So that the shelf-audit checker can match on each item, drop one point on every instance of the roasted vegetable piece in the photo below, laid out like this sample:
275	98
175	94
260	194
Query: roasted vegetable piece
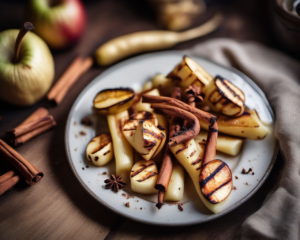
100	150
112	101
143	177
224	97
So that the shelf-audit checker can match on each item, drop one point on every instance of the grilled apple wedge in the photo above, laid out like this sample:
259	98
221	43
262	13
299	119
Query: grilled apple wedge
122	150
145	137
225	144
247	126
143	177
224	97
175	188
100	150
112	101
189	71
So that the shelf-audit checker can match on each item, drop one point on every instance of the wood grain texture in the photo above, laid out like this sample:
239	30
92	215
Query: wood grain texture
58	207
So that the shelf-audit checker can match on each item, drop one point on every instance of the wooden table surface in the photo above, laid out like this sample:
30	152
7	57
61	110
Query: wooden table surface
58	207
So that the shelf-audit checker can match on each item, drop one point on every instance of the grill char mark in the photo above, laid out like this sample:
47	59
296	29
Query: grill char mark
206	180
141	169
148	176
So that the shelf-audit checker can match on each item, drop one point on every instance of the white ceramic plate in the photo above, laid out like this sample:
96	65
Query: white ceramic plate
259	155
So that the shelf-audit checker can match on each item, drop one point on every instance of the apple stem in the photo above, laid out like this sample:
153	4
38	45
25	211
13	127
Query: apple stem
27	26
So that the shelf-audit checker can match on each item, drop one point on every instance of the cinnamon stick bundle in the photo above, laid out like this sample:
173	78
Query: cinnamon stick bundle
70	76
37	123
8	180
30	173
205	116
184	136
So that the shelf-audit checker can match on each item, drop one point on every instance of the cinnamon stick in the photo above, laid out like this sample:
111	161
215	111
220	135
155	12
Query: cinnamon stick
211	143
26	137
205	116
7	176
36	115
8	184
29	126
37	123
166	169
31	174
184	136
70	76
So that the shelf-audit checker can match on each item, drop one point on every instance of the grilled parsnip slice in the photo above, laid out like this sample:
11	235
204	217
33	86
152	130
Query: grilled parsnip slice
175	189
247	126
100	150
225	144
147	86
224	97
164	84
143	177
189	155
122	149
112	101
189	71
146	138
215	182
146	106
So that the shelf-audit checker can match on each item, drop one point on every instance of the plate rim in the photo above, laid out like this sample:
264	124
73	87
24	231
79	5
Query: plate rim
137	58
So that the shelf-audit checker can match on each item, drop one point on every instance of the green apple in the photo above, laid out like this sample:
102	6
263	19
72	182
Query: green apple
59	22
26	66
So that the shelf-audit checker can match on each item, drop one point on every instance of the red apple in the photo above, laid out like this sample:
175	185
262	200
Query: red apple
59	22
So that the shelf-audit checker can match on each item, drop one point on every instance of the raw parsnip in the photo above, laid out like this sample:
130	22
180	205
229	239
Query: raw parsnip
122	150
143	177
175	189
225	144
124	46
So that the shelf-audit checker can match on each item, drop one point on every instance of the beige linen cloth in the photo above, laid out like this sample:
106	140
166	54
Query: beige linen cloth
279	77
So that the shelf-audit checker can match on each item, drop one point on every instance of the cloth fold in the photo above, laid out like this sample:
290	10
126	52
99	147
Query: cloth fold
279	77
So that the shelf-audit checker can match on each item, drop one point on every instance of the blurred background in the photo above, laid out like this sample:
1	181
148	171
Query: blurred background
254	20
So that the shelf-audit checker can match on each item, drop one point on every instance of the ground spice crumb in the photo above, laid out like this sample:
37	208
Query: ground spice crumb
127	205
75	123
137	200
86	121
83	168
82	133
104	173
76	136
141	208
123	195
87	166
252	173
234	188
246	184
178	188
246	172
180	207
236	177
75	149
